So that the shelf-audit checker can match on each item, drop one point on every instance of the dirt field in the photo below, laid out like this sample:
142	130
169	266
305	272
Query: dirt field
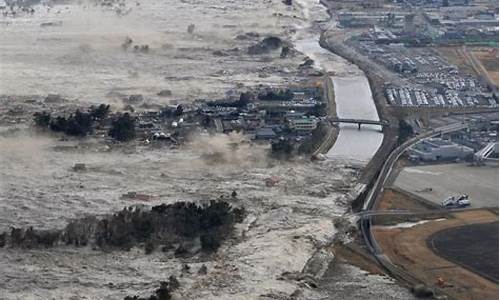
397	199
456	56
407	248
489	59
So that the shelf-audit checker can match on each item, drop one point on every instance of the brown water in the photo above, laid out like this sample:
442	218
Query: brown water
83	60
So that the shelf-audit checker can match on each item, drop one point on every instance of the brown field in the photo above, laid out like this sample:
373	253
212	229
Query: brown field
408	249
489	59
455	55
461	57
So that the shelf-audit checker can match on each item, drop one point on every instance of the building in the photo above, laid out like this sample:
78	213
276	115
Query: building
303	124
265	133
438	149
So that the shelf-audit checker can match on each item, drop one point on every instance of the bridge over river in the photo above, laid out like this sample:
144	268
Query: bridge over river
359	121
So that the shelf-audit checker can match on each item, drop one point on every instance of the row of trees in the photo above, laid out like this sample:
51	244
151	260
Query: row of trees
281	95
81	124
166	224
77	124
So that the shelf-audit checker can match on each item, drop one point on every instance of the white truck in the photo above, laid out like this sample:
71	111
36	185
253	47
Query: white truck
456	201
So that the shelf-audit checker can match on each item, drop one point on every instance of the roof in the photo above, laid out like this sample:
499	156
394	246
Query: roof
265	131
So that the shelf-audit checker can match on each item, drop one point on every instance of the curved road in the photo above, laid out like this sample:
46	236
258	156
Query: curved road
373	196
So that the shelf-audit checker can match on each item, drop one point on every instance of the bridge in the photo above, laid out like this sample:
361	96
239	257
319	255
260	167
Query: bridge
359	122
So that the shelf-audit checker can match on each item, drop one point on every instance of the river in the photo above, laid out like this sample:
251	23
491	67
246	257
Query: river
353	96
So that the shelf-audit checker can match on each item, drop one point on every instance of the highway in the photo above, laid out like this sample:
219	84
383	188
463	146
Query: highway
373	196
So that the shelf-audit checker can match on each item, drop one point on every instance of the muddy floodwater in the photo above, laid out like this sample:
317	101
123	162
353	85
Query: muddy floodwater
75	50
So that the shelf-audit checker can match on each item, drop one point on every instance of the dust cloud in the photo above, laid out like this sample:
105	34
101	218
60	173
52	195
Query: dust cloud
230	149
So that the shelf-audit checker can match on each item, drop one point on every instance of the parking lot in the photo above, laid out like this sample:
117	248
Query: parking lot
438	182
432	80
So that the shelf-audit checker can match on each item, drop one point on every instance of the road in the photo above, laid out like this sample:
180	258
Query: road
373	196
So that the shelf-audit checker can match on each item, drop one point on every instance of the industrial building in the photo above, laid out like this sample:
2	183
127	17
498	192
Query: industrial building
438	149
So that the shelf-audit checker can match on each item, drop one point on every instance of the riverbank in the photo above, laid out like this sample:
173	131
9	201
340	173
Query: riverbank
331	43
333	131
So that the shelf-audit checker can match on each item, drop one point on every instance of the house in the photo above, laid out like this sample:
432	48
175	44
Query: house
265	133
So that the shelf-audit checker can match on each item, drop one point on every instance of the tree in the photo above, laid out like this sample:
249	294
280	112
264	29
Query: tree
209	242
99	112
123	128
282	148
179	110
42	119
59	124
286	95
244	99
79	124
405	131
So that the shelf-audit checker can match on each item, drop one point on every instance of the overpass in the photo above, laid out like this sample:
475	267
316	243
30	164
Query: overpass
359	122
484	154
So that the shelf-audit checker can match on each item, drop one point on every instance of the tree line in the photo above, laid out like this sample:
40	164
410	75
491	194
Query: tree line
166	225
81	123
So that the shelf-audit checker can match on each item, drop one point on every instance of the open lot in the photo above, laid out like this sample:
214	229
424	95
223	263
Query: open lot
445	180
